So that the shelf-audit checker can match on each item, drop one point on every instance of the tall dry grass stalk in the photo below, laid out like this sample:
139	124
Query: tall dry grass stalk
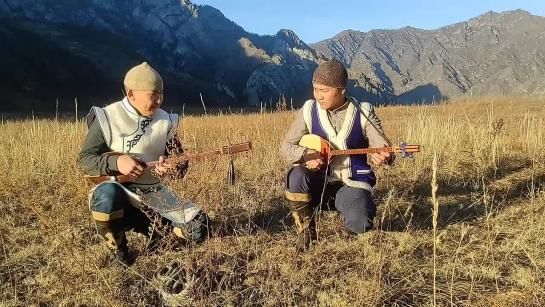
435	215
490	224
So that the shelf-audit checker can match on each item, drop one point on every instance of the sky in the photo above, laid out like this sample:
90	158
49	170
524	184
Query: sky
317	20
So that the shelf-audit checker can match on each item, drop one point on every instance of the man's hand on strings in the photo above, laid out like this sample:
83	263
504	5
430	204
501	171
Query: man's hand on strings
313	159
128	165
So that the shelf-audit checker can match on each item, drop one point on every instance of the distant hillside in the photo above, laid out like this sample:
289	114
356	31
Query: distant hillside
66	49
82	49
496	53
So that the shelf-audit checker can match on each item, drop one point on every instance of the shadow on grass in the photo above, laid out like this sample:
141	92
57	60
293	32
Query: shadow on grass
271	217
461	201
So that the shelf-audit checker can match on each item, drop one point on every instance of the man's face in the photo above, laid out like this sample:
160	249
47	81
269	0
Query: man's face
146	102
328	97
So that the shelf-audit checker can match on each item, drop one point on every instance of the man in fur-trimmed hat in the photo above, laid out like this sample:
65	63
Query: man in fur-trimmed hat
349	181
122	138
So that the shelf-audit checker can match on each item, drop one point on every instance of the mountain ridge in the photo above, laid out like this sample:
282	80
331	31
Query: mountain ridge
466	58
195	48
82	49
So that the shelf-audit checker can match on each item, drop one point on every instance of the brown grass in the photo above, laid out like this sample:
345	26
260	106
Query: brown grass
490	244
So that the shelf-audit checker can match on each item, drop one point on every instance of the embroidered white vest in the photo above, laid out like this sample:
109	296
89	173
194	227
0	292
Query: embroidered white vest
340	165
144	137
126	131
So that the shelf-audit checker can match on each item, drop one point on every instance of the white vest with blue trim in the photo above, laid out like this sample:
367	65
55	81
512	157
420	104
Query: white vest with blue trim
340	165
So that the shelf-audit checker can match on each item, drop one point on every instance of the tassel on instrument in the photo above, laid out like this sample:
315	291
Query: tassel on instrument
231	173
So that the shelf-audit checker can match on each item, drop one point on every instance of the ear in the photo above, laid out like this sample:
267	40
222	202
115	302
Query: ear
129	93
343	91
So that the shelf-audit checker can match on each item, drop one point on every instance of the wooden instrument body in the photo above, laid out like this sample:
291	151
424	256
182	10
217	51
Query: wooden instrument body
322	146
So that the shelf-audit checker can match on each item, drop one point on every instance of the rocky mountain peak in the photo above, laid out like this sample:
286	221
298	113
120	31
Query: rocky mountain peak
348	34
190	7
291	39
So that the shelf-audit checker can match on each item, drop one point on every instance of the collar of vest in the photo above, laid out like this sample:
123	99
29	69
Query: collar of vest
130	108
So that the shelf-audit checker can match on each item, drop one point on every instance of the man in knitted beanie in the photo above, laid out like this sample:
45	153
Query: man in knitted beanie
346	182
144	88
122	138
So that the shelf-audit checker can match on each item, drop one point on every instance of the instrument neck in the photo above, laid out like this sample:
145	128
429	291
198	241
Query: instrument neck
177	159
360	151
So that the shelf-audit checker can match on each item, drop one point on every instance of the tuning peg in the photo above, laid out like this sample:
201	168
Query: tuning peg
404	152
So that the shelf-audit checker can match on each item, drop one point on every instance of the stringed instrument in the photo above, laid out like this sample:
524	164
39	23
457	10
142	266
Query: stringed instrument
322	146
175	160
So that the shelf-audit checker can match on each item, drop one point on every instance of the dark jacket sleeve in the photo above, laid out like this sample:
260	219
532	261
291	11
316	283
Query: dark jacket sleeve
92	158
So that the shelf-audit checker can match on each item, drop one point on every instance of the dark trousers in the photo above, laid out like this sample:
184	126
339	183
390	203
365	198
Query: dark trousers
110	199
356	205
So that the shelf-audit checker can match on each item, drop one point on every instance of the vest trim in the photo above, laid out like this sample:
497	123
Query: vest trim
147	142
129	107
352	170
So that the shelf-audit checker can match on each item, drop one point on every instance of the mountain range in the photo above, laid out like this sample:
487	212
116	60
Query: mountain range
66	49
495	53
60	50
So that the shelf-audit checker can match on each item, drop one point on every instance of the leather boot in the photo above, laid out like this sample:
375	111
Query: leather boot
303	216
113	233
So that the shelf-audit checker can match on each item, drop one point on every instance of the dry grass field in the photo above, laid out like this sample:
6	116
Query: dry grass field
489	243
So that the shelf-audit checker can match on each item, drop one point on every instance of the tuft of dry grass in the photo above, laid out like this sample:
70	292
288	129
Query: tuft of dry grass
489	241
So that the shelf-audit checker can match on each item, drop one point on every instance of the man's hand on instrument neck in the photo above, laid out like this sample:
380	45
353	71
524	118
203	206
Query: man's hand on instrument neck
313	159
128	165
381	158
162	168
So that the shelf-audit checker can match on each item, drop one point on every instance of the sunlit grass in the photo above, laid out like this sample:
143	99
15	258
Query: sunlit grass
490	246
